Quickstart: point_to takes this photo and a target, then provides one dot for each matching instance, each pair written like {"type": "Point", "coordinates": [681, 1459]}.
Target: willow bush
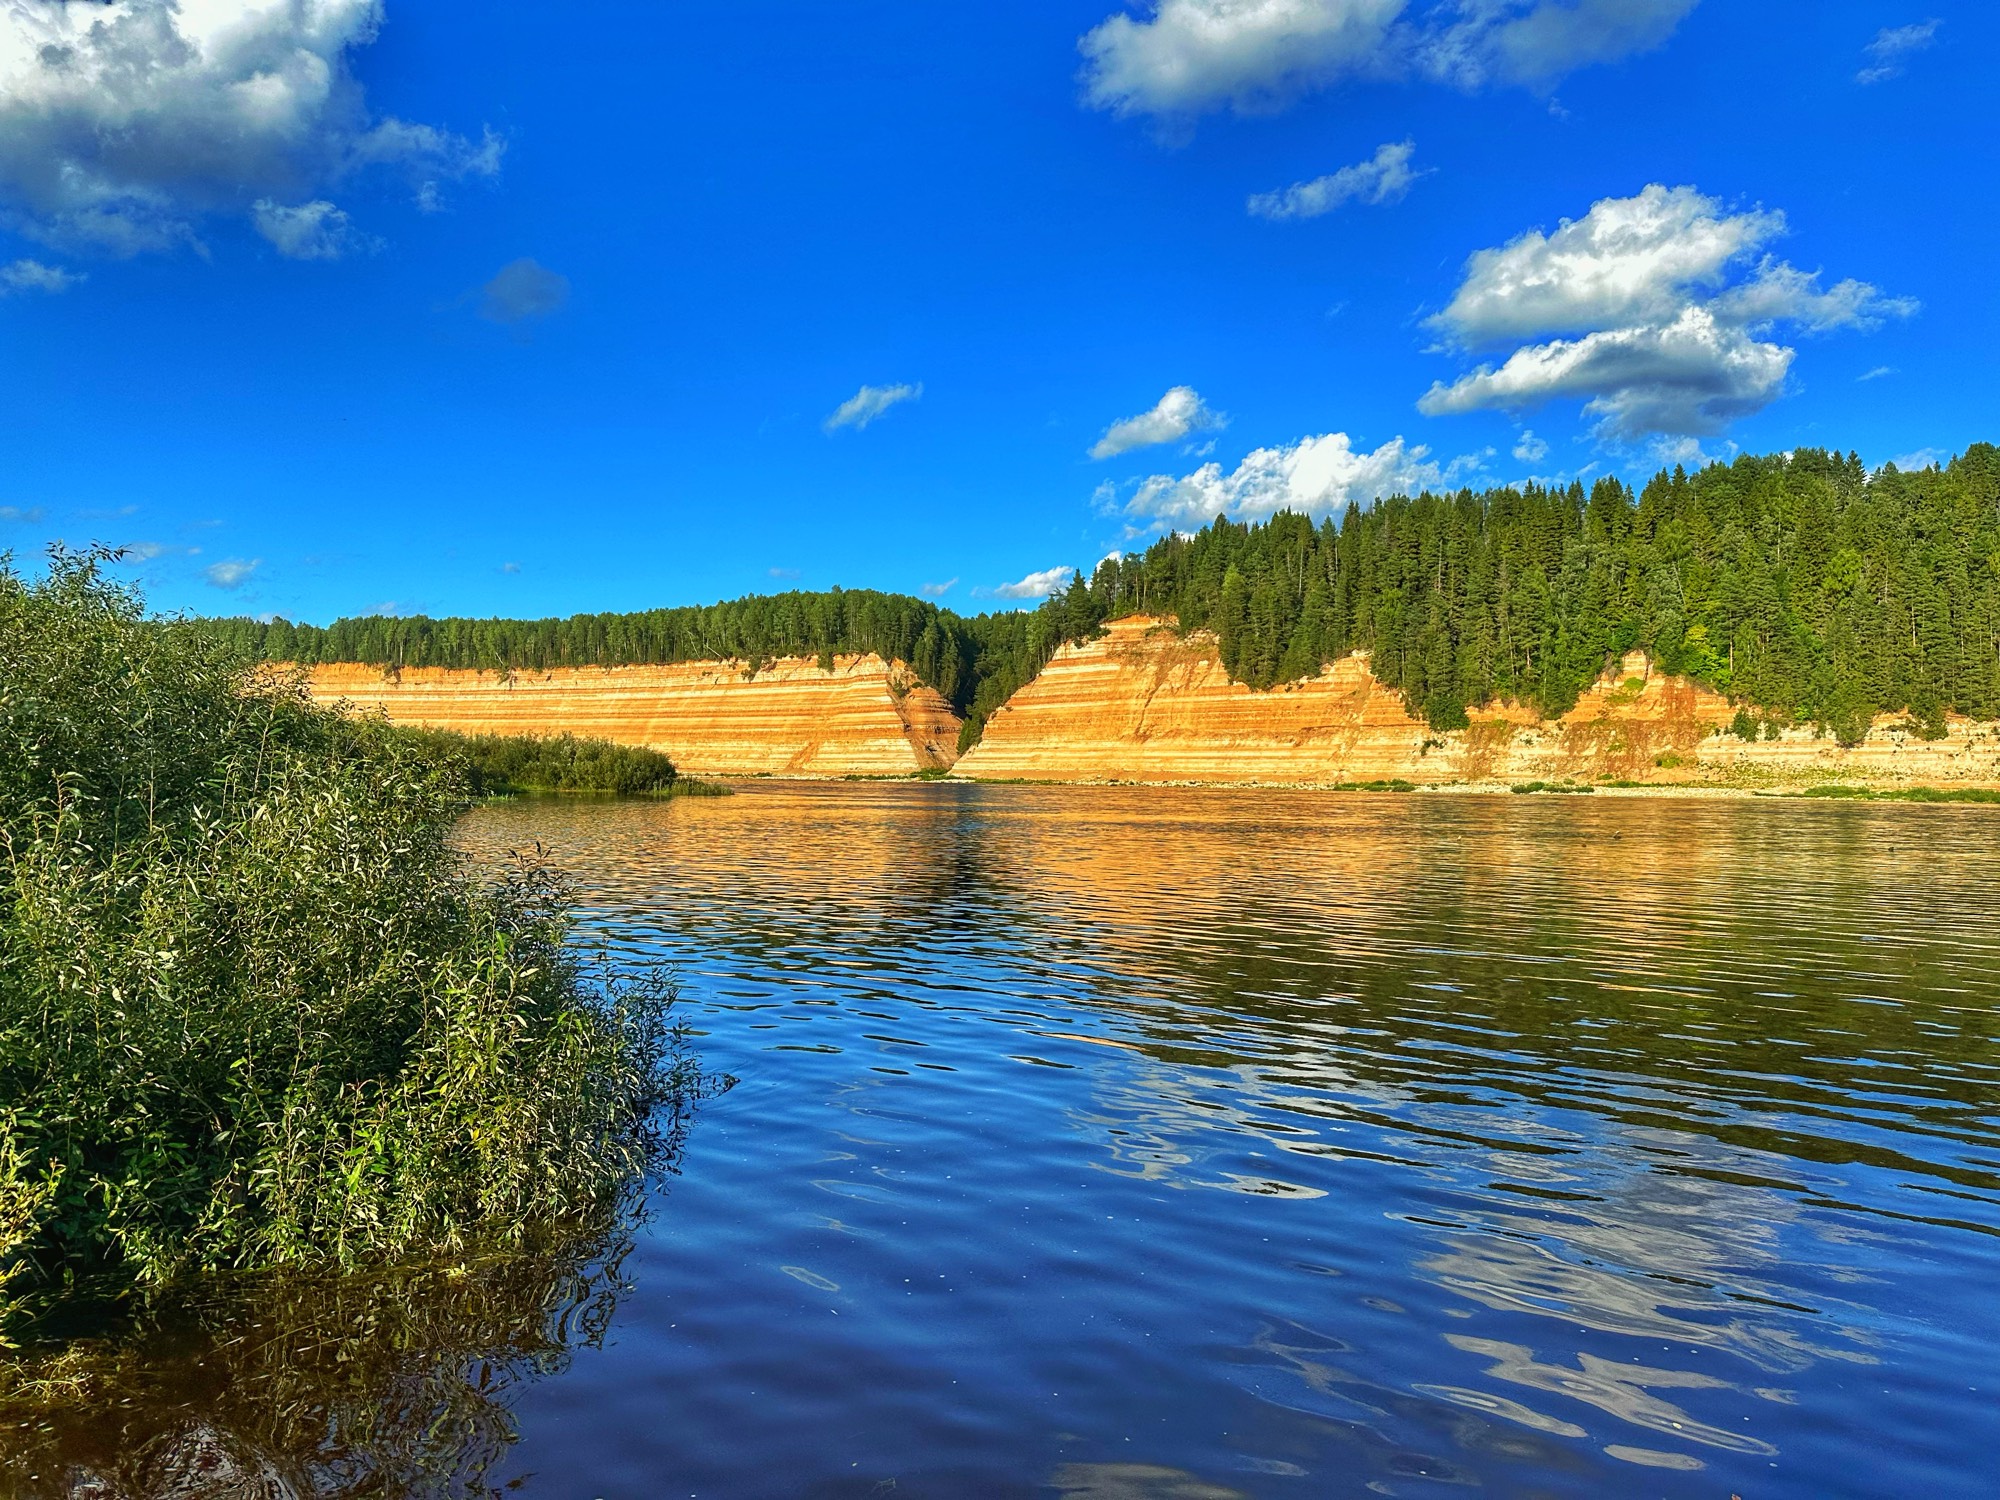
{"type": "Point", "coordinates": [254, 1009]}
{"type": "Point", "coordinates": [499, 764]}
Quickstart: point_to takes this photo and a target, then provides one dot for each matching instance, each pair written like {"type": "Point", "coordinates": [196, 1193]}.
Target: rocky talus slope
{"type": "Point", "coordinates": [867, 717]}
{"type": "Point", "coordinates": [1143, 703]}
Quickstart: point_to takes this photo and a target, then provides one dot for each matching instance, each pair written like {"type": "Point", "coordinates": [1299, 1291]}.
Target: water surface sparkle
{"type": "Point", "coordinates": [1167, 1143]}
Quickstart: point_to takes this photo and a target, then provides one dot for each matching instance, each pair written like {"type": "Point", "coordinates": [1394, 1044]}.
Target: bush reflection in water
{"type": "Point", "coordinates": [393, 1383]}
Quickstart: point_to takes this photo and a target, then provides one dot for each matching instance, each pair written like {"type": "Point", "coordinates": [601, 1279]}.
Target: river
{"type": "Point", "coordinates": [1168, 1144]}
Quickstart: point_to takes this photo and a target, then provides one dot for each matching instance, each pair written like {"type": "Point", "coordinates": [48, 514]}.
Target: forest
{"type": "Point", "coordinates": [1801, 584]}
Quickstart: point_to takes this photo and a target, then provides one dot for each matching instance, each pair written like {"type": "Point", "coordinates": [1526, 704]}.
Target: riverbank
{"type": "Point", "coordinates": [1143, 704]}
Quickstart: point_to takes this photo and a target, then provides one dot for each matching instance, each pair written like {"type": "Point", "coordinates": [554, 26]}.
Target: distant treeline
{"type": "Point", "coordinates": [1799, 583]}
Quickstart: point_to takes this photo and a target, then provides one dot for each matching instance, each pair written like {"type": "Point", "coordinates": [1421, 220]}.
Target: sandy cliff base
{"type": "Point", "coordinates": [866, 717]}
{"type": "Point", "coordinates": [1142, 703]}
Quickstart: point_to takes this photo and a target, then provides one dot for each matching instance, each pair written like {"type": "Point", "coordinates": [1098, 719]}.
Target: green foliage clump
{"type": "Point", "coordinates": [1529, 788]}
{"type": "Point", "coordinates": [498, 764]}
{"type": "Point", "coordinates": [253, 1007]}
{"type": "Point", "coordinates": [1904, 794]}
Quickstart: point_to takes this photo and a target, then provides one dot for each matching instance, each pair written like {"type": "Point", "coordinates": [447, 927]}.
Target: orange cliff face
{"type": "Point", "coordinates": [867, 717]}
{"type": "Point", "coordinates": [1143, 703]}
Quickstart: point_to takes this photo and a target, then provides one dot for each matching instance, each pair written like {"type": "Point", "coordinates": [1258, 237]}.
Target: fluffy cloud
{"type": "Point", "coordinates": [33, 276]}
{"type": "Point", "coordinates": [868, 403]}
{"type": "Point", "coordinates": [1530, 449]}
{"type": "Point", "coordinates": [523, 290]}
{"type": "Point", "coordinates": [1185, 57]}
{"type": "Point", "coordinates": [1314, 476]}
{"type": "Point", "coordinates": [1035, 585]}
{"type": "Point", "coordinates": [1383, 178]}
{"type": "Point", "coordinates": [304, 231]}
{"type": "Point", "coordinates": [1892, 49]}
{"type": "Point", "coordinates": [231, 574]}
{"type": "Point", "coordinates": [1180, 412]}
{"type": "Point", "coordinates": [1195, 55]}
{"type": "Point", "coordinates": [123, 123]}
{"type": "Point", "coordinates": [1663, 306]}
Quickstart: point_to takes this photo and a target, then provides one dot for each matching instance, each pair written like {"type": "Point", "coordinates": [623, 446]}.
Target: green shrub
{"type": "Point", "coordinates": [497, 764]}
{"type": "Point", "coordinates": [253, 1007]}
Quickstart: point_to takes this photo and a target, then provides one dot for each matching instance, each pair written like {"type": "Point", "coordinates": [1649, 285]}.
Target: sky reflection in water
{"type": "Point", "coordinates": [1171, 1142]}
{"type": "Point", "coordinates": [1179, 1145]}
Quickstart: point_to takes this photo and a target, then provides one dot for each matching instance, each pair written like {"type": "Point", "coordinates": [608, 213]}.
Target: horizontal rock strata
{"type": "Point", "coordinates": [866, 717]}
{"type": "Point", "coordinates": [1143, 703]}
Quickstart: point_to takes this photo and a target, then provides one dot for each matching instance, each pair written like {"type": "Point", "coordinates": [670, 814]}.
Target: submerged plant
{"type": "Point", "coordinates": [254, 1008]}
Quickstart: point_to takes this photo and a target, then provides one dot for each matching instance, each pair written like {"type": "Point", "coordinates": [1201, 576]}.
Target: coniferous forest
{"type": "Point", "coordinates": [1800, 584]}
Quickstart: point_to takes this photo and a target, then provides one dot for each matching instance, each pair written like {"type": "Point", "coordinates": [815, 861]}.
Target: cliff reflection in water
{"type": "Point", "coordinates": [1510, 1141]}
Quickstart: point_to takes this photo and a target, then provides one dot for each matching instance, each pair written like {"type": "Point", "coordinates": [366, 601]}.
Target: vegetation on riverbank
{"type": "Point", "coordinates": [498, 765]}
{"type": "Point", "coordinates": [1903, 794]}
{"type": "Point", "coordinates": [254, 1009]}
{"type": "Point", "coordinates": [1800, 584]}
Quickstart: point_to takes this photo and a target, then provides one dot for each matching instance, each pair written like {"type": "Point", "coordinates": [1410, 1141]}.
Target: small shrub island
{"type": "Point", "coordinates": [255, 1010]}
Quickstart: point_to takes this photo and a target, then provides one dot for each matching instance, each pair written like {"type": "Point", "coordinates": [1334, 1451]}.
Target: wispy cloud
{"type": "Point", "coordinates": [231, 573]}
{"type": "Point", "coordinates": [939, 590]}
{"type": "Point", "coordinates": [1035, 585]}
{"type": "Point", "coordinates": [870, 402]}
{"type": "Point", "coordinates": [1383, 178]}
{"type": "Point", "coordinates": [523, 290]}
{"type": "Point", "coordinates": [1175, 415]}
{"type": "Point", "coordinates": [1889, 54]}
{"type": "Point", "coordinates": [33, 276]}
{"type": "Point", "coordinates": [1531, 449]}
{"type": "Point", "coordinates": [308, 231]}
{"type": "Point", "coordinates": [20, 515]}
{"type": "Point", "coordinates": [1880, 372]}
{"type": "Point", "coordinates": [782, 572]}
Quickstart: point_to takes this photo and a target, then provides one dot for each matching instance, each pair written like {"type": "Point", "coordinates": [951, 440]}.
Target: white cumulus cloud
{"type": "Point", "coordinates": [1892, 49]}
{"type": "Point", "coordinates": [1180, 58]}
{"type": "Point", "coordinates": [868, 403]}
{"type": "Point", "coordinates": [1383, 178]}
{"type": "Point", "coordinates": [1035, 585]}
{"type": "Point", "coordinates": [1178, 413]}
{"type": "Point", "coordinates": [124, 123]}
{"type": "Point", "coordinates": [1314, 476]}
{"type": "Point", "coordinates": [33, 276]}
{"type": "Point", "coordinates": [1530, 449]}
{"type": "Point", "coordinates": [1662, 308]}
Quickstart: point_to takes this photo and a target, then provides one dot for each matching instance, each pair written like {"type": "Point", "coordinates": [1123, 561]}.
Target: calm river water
{"type": "Point", "coordinates": [1123, 1144]}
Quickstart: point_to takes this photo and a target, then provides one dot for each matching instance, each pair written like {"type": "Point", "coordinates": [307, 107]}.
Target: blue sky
{"type": "Point", "coordinates": [333, 306]}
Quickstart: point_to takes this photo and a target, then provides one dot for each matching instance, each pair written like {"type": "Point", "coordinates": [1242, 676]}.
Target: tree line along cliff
{"type": "Point", "coordinates": [1799, 583]}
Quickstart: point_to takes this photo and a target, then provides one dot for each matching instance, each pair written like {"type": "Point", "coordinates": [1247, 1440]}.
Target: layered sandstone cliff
{"type": "Point", "coordinates": [1143, 703]}
{"type": "Point", "coordinates": [866, 717]}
